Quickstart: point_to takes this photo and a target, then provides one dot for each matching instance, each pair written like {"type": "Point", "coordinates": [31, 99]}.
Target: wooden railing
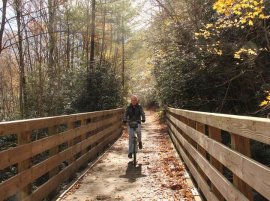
{"type": "Point", "coordinates": [69, 143]}
{"type": "Point", "coordinates": [199, 137]}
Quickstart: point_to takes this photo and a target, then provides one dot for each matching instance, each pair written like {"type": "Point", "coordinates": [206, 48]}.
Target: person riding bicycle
{"type": "Point", "coordinates": [134, 113]}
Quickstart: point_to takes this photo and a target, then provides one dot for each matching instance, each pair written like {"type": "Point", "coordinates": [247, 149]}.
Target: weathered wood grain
{"type": "Point", "coordinates": [250, 171]}
{"type": "Point", "coordinates": [108, 123]}
{"type": "Point", "coordinates": [215, 134]}
{"type": "Point", "coordinates": [250, 127]}
{"type": "Point", "coordinates": [23, 152]}
{"type": "Point", "coordinates": [227, 189]}
{"type": "Point", "coordinates": [14, 127]}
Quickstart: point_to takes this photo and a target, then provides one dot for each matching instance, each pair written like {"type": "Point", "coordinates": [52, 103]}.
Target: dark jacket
{"type": "Point", "coordinates": [134, 113]}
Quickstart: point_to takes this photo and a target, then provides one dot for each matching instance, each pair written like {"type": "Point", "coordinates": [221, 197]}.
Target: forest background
{"type": "Point", "coordinates": [65, 56]}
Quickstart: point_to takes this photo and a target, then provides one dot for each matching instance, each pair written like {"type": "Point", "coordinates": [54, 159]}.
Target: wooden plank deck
{"type": "Point", "coordinates": [159, 175]}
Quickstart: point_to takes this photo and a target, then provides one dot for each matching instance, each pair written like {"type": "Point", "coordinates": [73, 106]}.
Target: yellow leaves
{"type": "Point", "coordinates": [209, 26]}
{"type": "Point", "coordinates": [245, 10]}
{"type": "Point", "coordinates": [263, 103]}
{"type": "Point", "coordinates": [243, 21]}
{"type": "Point", "coordinates": [249, 51]}
{"type": "Point", "coordinates": [266, 101]}
{"type": "Point", "coordinates": [218, 52]}
{"type": "Point", "coordinates": [255, 3]}
{"type": "Point", "coordinates": [237, 56]}
{"type": "Point", "coordinates": [233, 14]}
{"type": "Point", "coordinates": [213, 49]}
{"type": "Point", "coordinates": [250, 23]}
{"type": "Point", "coordinates": [262, 16]}
{"type": "Point", "coordinates": [203, 33]}
{"type": "Point", "coordinates": [221, 6]}
{"type": "Point", "coordinates": [255, 14]}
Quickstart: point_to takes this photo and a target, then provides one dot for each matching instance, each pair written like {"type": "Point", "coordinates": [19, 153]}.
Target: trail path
{"type": "Point", "coordinates": [159, 175]}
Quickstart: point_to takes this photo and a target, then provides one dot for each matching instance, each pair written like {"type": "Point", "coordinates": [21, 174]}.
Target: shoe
{"type": "Point", "coordinates": [140, 145]}
{"type": "Point", "coordinates": [130, 155]}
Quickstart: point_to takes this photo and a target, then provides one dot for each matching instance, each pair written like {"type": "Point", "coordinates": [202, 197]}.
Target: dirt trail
{"type": "Point", "coordinates": [159, 175]}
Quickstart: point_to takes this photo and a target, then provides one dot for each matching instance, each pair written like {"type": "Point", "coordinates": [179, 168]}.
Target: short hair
{"type": "Point", "coordinates": [134, 96]}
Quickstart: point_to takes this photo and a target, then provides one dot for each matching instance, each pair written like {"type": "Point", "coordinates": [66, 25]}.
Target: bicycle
{"type": "Point", "coordinates": [134, 125]}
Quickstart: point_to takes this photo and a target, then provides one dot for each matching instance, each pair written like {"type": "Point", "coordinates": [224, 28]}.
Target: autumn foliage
{"type": "Point", "coordinates": [213, 56]}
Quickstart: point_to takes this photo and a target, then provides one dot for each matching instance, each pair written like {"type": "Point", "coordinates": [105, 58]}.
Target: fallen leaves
{"type": "Point", "coordinates": [171, 170]}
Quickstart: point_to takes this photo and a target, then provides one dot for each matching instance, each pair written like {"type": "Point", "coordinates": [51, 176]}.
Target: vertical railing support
{"type": "Point", "coordinates": [215, 134]}
{"type": "Point", "coordinates": [52, 131]}
{"type": "Point", "coordinates": [201, 128]}
{"type": "Point", "coordinates": [242, 145]}
{"type": "Point", "coordinates": [83, 137]}
{"type": "Point", "coordinates": [71, 126]}
{"type": "Point", "coordinates": [53, 151]}
{"type": "Point", "coordinates": [24, 138]}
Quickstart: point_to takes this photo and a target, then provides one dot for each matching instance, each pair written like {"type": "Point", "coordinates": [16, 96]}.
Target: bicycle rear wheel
{"type": "Point", "coordinates": [134, 151]}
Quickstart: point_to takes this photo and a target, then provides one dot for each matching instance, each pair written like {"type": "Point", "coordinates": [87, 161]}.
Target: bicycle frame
{"type": "Point", "coordinates": [135, 141]}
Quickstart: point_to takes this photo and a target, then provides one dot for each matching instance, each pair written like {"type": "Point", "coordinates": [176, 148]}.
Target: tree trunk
{"type": "Point", "coordinates": [103, 34]}
{"type": "Point", "coordinates": [123, 53]}
{"type": "Point", "coordinates": [115, 58]}
{"type": "Point", "coordinates": [68, 48]}
{"type": "Point", "coordinates": [52, 74]}
{"type": "Point", "coordinates": [93, 30]}
{"type": "Point", "coordinates": [72, 51]}
{"type": "Point", "coordinates": [28, 47]}
{"type": "Point", "coordinates": [111, 44]}
{"type": "Point", "coordinates": [87, 37]}
{"type": "Point", "coordinates": [23, 97]}
{"type": "Point", "coordinates": [52, 41]}
{"type": "Point", "coordinates": [3, 22]}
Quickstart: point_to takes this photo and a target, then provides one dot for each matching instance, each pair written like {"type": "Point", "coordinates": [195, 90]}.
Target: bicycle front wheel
{"type": "Point", "coordinates": [134, 151]}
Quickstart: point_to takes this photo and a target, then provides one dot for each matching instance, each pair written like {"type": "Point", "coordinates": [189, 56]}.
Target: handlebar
{"type": "Point", "coordinates": [128, 121]}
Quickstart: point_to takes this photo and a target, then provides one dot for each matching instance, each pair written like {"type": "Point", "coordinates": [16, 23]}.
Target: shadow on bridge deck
{"type": "Point", "coordinates": [133, 173]}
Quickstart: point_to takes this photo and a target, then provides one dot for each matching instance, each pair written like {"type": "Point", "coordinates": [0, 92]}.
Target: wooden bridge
{"type": "Point", "coordinates": [49, 151]}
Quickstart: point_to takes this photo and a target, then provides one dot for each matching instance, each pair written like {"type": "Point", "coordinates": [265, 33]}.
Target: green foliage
{"type": "Point", "coordinates": [102, 90]}
{"type": "Point", "coordinates": [190, 76]}
{"type": "Point", "coordinates": [53, 97]}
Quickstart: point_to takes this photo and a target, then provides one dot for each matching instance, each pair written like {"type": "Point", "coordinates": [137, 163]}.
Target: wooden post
{"type": "Point", "coordinates": [53, 151]}
{"type": "Point", "coordinates": [201, 128]}
{"type": "Point", "coordinates": [83, 136]}
{"type": "Point", "coordinates": [102, 148]}
{"type": "Point", "coordinates": [24, 138]}
{"type": "Point", "coordinates": [242, 145]}
{"type": "Point", "coordinates": [71, 126]}
{"type": "Point", "coordinates": [191, 124]}
{"type": "Point", "coordinates": [185, 135]}
{"type": "Point", "coordinates": [215, 134]}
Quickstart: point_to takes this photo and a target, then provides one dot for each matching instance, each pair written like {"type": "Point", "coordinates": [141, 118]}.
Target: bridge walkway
{"type": "Point", "coordinates": [159, 175]}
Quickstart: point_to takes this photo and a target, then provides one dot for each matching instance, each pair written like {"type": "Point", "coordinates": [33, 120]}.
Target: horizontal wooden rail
{"type": "Point", "coordinates": [197, 136]}
{"type": "Point", "coordinates": [83, 137]}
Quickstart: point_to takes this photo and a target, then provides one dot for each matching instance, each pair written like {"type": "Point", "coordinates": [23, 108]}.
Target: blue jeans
{"type": "Point", "coordinates": [131, 135]}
